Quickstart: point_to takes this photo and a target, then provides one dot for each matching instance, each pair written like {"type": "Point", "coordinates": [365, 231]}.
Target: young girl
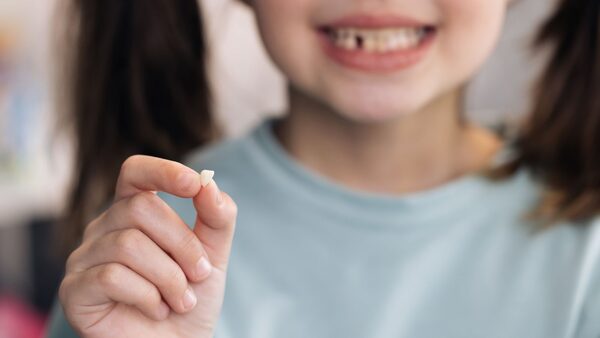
{"type": "Point", "coordinates": [367, 211]}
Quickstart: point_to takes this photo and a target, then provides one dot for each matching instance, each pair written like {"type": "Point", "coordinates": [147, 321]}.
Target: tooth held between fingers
{"type": "Point", "coordinates": [206, 176]}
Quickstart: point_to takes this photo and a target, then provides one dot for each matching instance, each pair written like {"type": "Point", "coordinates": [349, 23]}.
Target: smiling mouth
{"type": "Point", "coordinates": [378, 40]}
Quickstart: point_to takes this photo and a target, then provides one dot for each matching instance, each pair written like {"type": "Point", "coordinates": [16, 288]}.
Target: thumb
{"type": "Point", "coordinates": [215, 221]}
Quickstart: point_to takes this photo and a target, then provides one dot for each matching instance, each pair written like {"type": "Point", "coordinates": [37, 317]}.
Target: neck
{"type": "Point", "coordinates": [411, 153]}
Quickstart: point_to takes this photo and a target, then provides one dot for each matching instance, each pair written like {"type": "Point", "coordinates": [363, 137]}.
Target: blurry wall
{"type": "Point", "coordinates": [500, 92]}
{"type": "Point", "coordinates": [32, 166]}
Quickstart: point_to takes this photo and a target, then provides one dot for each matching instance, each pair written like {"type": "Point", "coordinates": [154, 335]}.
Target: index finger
{"type": "Point", "coordinates": [141, 173]}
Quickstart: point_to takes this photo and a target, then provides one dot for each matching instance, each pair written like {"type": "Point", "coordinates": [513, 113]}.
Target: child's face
{"type": "Point", "coordinates": [376, 60]}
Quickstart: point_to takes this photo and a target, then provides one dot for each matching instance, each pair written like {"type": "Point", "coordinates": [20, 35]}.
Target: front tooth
{"type": "Point", "coordinates": [381, 42]}
{"type": "Point", "coordinates": [339, 37]}
{"type": "Point", "coordinates": [369, 41]}
{"type": "Point", "coordinates": [406, 39]}
{"type": "Point", "coordinates": [350, 40]}
{"type": "Point", "coordinates": [388, 40]}
{"type": "Point", "coordinates": [412, 37]}
{"type": "Point", "coordinates": [399, 39]}
{"type": "Point", "coordinates": [393, 42]}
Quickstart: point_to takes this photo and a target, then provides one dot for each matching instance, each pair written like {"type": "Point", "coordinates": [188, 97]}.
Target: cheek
{"type": "Point", "coordinates": [286, 32]}
{"type": "Point", "coordinates": [470, 31]}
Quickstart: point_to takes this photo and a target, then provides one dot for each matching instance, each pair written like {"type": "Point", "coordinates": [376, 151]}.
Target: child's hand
{"type": "Point", "coordinates": [140, 271]}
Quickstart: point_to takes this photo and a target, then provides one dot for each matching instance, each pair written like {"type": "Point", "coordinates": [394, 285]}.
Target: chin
{"type": "Point", "coordinates": [373, 110]}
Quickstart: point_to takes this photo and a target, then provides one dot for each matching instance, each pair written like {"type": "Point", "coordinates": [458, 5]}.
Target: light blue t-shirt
{"type": "Point", "coordinates": [314, 259]}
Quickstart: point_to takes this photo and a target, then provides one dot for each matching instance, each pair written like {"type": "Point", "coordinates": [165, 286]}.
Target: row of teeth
{"type": "Point", "coordinates": [377, 40]}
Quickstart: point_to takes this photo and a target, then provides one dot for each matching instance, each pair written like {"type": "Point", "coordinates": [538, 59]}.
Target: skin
{"type": "Point", "coordinates": [130, 275]}
{"type": "Point", "coordinates": [402, 128]}
{"type": "Point", "coordinates": [393, 133]}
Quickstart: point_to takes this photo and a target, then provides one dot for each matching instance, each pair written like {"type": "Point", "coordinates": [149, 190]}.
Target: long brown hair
{"type": "Point", "coordinates": [138, 85]}
{"type": "Point", "coordinates": [560, 143]}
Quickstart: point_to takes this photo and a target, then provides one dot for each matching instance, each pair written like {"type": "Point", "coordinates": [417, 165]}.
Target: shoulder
{"type": "Point", "coordinates": [58, 327]}
{"type": "Point", "coordinates": [587, 295]}
{"type": "Point", "coordinates": [590, 266]}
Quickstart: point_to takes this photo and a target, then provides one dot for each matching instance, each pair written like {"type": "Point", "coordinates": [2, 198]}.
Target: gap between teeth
{"type": "Point", "coordinates": [377, 41]}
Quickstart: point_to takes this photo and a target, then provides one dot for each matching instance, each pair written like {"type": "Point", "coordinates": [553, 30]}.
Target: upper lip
{"type": "Point", "coordinates": [375, 21]}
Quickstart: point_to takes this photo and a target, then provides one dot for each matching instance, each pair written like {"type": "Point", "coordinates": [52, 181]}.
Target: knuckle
{"type": "Point", "coordinates": [88, 230]}
{"type": "Point", "coordinates": [182, 178]}
{"type": "Point", "coordinates": [141, 204]}
{"type": "Point", "coordinates": [109, 276]}
{"type": "Point", "coordinates": [175, 280]}
{"type": "Point", "coordinates": [151, 296]}
{"type": "Point", "coordinates": [95, 224]}
{"type": "Point", "coordinates": [130, 164]}
{"type": "Point", "coordinates": [63, 290]}
{"type": "Point", "coordinates": [186, 182]}
{"type": "Point", "coordinates": [128, 242]}
{"type": "Point", "coordinates": [72, 260]}
{"type": "Point", "coordinates": [190, 244]}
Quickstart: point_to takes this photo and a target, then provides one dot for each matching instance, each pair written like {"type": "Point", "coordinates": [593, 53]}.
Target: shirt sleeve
{"type": "Point", "coordinates": [589, 323]}
{"type": "Point", "coordinates": [589, 319]}
{"type": "Point", "coordinates": [58, 327]}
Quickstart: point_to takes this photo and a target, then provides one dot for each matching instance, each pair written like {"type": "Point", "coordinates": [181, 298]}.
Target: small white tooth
{"type": "Point", "coordinates": [407, 42]}
{"type": "Point", "coordinates": [389, 40]}
{"type": "Point", "coordinates": [393, 43]}
{"type": "Point", "coordinates": [370, 43]}
{"type": "Point", "coordinates": [350, 39]}
{"type": "Point", "coordinates": [381, 44]}
{"type": "Point", "coordinates": [401, 41]}
{"type": "Point", "coordinates": [406, 33]}
{"type": "Point", "coordinates": [206, 176]}
{"type": "Point", "coordinates": [333, 35]}
{"type": "Point", "coordinates": [413, 38]}
{"type": "Point", "coordinates": [336, 41]}
{"type": "Point", "coordinates": [362, 34]}
{"type": "Point", "coordinates": [339, 37]}
{"type": "Point", "coordinates": [345, 33]}
{"type": "Point", "coordinates": [350, 42]}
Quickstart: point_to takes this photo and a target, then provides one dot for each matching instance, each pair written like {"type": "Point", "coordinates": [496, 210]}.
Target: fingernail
{"type": "Point", "coordinates": [203, 268]}
{"type": "Point", "coordinates": [163, 310]}
{"type": "Point", "coordinates": [189, 299]}
{"type": "Point", "coordinates": [218, 194]}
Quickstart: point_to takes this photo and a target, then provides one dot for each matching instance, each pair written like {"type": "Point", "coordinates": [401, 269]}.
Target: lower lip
{"type": "Point", "coordinates": [377, 62]}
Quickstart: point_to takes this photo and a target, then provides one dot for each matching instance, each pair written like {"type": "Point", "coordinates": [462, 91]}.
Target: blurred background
{"type": "Point", "coordinates": [35, 157]}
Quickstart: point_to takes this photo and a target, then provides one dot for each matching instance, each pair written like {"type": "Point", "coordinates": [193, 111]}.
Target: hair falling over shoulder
{"type": "Point", "coordinates": [137, 84]}
{"type": "Point", "coordinates": [560, 143]}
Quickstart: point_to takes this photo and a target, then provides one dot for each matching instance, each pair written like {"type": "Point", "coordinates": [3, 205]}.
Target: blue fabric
{"type": "Point", "coordinates": [314, 259]}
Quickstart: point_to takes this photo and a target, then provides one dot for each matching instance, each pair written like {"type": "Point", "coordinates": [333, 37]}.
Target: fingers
{"type": "Point", "coordinates": [215, 224]}
{"type": "Point", "coordinates": [108, 283]}
{"type": "Point", "coordinates": [134, 250]}
{"type": "Point", "coordinates": [144, 173]}
{"type": "Point", "coordinates": [149, 214]}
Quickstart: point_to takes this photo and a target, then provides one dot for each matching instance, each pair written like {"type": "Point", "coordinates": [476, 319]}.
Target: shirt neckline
{"type": "Point", "coordinates": [445, 203]}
